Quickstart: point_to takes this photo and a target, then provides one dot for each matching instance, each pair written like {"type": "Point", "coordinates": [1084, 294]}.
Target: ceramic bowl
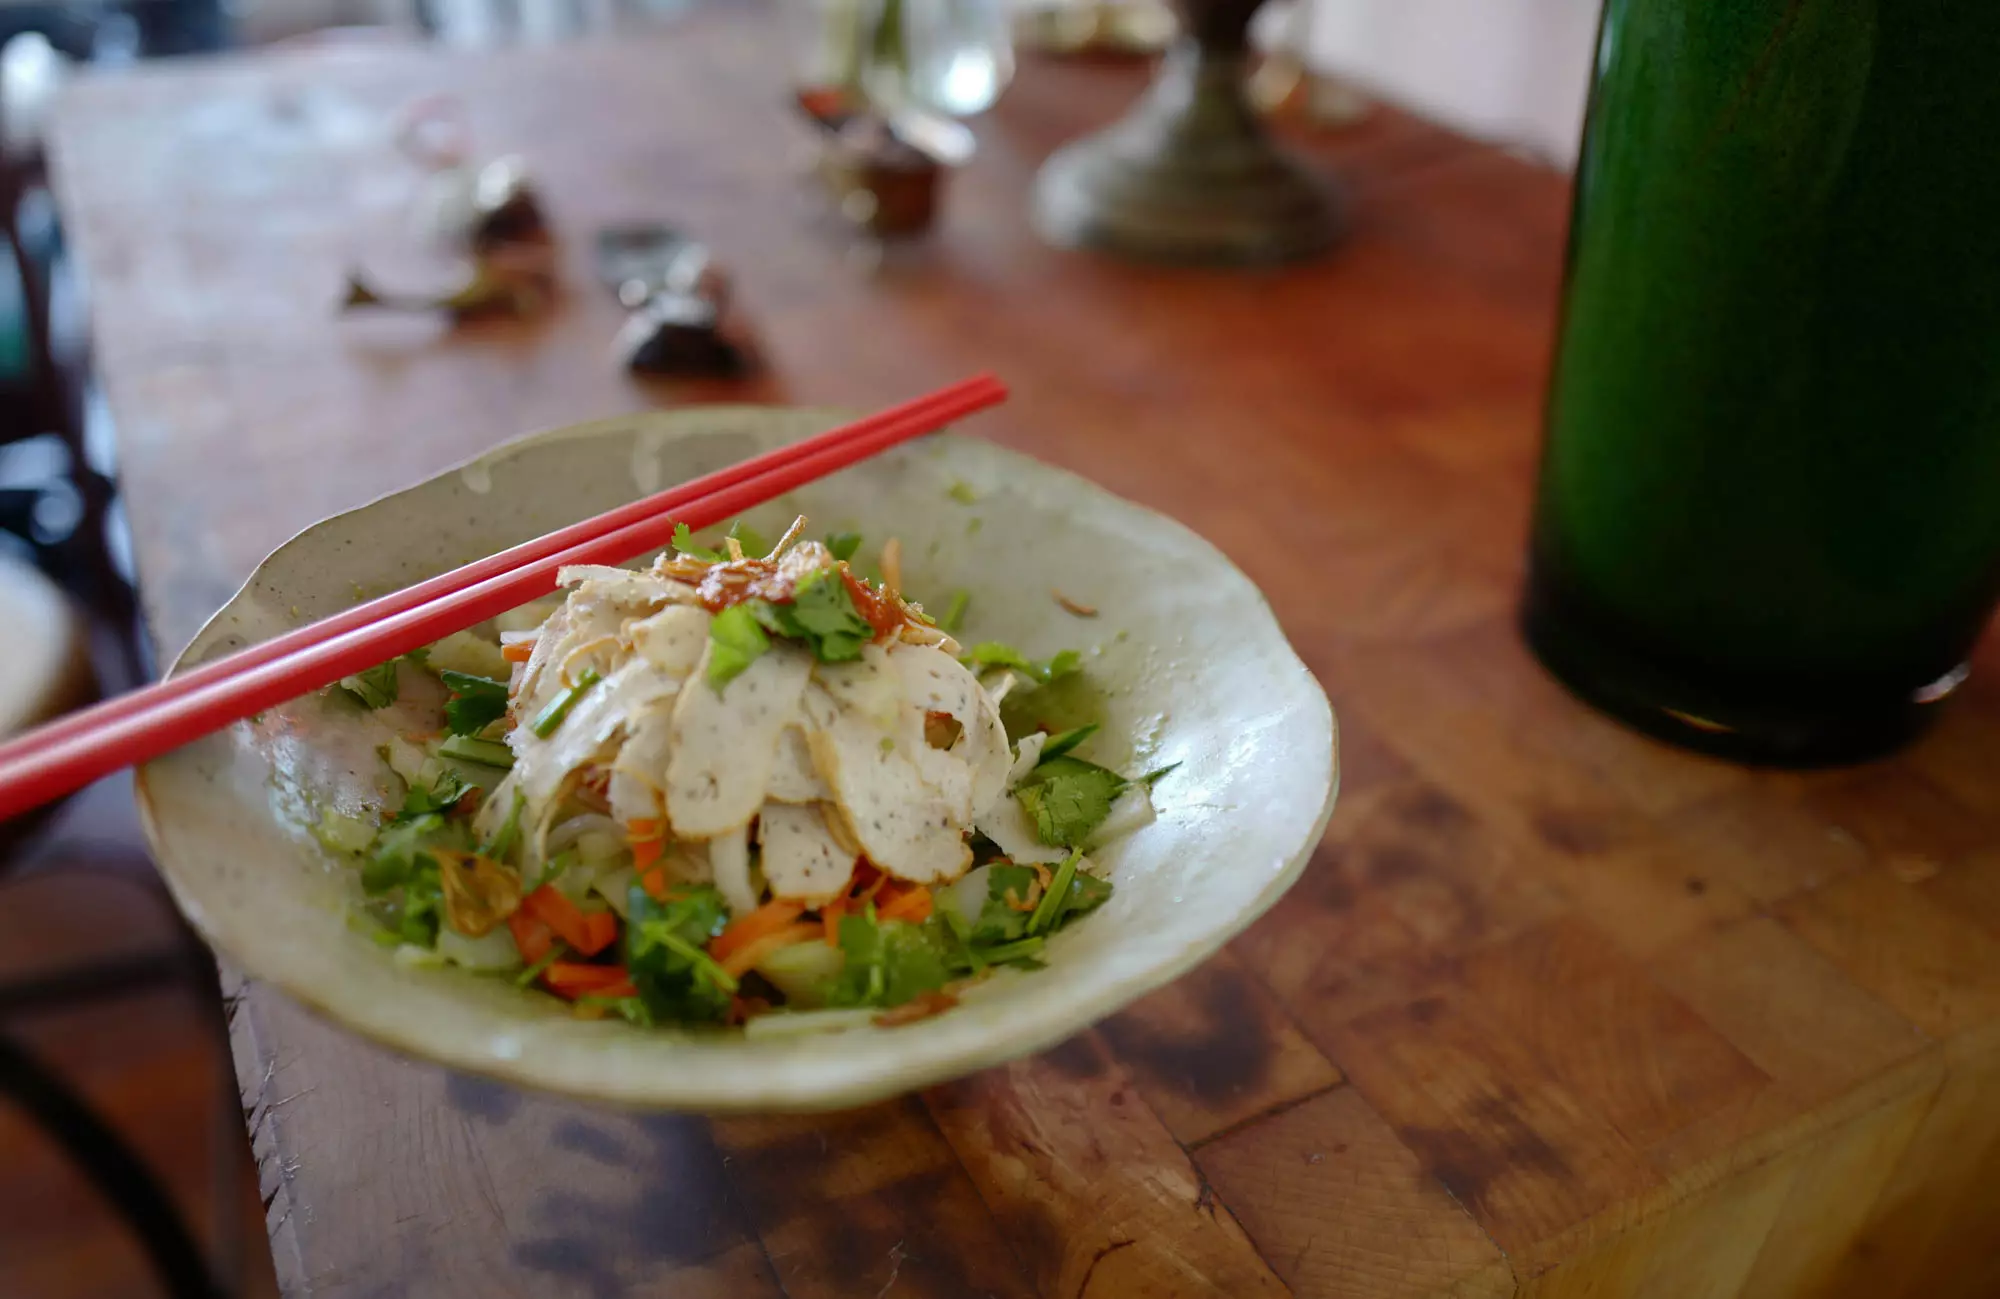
{"type": "Point", "coordinates": [1191, 666]}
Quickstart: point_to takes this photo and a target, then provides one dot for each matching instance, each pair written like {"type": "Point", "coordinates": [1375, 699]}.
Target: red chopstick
{"type": "Point", "coordinates": [57, 759]}
{"type": "Point", "coordinates": [946, 404]}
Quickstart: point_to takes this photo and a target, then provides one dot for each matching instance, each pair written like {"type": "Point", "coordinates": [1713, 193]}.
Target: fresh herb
{"type": "Point", "coordinates": [526, 978]}
{"type": "Point", "coordinates": [487, 753]}
{"type": "Point", "coordinates": [735, 641]}
{"type": "Point", "coordinates": [632, 1008]}
{"type": "Point", "coordinates": [961, 491]}
{"type": "Point", "coordinates": [1067, 798]}
{"type": "Point", "coordinates": [749, 538]}
{"type": "Point", "coordinates": [375, 688]}
{"type": "Point", "coordinates": [821, 613]}
{"type": "Point", "coordinates": [404, 848]}
{"type": "Point", "coordinates": [442, 794]}
{"type": "Point", "coordinates": [1048, 912]}
{"type": "Point", "coordinates": [421, 908]}
{"type": "Point", "coordinates": [968, 956]}
{"type": "Point", "coordinates": [1156, 773]}
{"type": "Point", "coordinates": [1004, 917]}
{"type": "Point", "coordinates": [1022, 952]}
{"type": "Point", "coordinates": [475, 704]}
{"type": "Point", "coordinates": [1086, 893]}
{"type": "Point", "coordinates": [1007, 935]}
{"type": "Point", "coordinates": [954, 613]}
{"type": "Point", "coordinates": [1062, 742]}
{"type": "Point", "coordinates": [685, 544]}
{"type": "Point", "coordinates": [843, 544]}
{"type": "Point", "coordinates": [558, 708]}
{"type": "Point", "coordinates": [888, 962]}
{"type": "Point", "coordinates": [995, 654]}
{"type": "Point", "coordinates": [501, 845]}
{"type": "Point", "coordinates": [664, 938]}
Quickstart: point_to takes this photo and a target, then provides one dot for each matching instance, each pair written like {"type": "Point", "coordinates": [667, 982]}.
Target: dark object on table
{"type": "Point", "coordinates": [679, 334]}
{"type": "Point", "coordinates": [505, 208]}
{"type": "Point", "coordinates": [1189, 175]}
{"type": "Point", "coordinates": [638, 261]}
{"type": "Point", "coordinates": [678, 298]}
{"type": "Point", "coordinates": [1767, 524]}
{"type": "Point", "coordinates": [880, 181]}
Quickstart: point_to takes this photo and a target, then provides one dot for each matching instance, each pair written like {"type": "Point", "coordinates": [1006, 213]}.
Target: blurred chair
{"type": "Point", "coordinates": [65, 599]}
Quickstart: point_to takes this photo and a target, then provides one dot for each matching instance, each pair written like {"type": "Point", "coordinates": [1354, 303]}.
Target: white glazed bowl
{"type": "Point", "coordinates": [1194, 668]}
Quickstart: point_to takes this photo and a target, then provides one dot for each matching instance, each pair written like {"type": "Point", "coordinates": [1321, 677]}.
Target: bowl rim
{"type": "Point", "coordinates": [854, 1086]}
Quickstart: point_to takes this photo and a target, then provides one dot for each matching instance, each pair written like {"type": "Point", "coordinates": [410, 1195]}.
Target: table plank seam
{"type": "Point", "coordinates": [1270, 1112]}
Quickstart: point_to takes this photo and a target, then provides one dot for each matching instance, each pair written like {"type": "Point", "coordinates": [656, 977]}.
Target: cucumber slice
{"type": "Point", "coordinates": [801, 971]}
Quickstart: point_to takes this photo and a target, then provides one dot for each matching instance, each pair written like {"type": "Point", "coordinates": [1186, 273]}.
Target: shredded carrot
{"type": "Point", "coordinates": [767, 919]}
{"type": "Point", "coordinates": [531, 936]}
{"type": "Point", "coordinates": [911, 903]}
{"type": "Point", "coordinates": [588, 932]}
{"type": "Point", "coordinates": [648, 839]}
{"type": "Point", "coordinates": [740, 960]}
{"type": "Point", "coordinates": [518, 652]}
{"type": "Point", "coordinates": [654, 882]}
{"type": "Point", "coordinates": [574, 979]}
{"type": "Point", "coordinates": [861, 887]}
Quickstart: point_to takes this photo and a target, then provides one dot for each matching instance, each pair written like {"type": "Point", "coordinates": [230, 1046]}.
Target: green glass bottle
{"type": "Point", "coordinates": [1768, 521]}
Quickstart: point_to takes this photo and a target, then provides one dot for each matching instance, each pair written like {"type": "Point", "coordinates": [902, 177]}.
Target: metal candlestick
{"type": "Point", "coordinates": [1190, 175]}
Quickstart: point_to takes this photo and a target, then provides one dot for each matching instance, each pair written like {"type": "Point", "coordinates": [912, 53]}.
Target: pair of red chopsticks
{"type": "Point", "coordinates": [62, 757]}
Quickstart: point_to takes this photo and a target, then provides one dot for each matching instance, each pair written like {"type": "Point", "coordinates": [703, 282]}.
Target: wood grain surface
{"type": "Point", "coordinates": [1555, 1011]}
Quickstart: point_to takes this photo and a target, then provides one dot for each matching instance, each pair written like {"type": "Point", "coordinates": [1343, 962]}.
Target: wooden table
{"type": "Point", "coordinates": [1555, 1011]}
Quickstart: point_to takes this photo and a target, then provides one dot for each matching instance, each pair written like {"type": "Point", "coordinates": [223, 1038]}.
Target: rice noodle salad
{"type": "Point", "coordinates": [733, 789]}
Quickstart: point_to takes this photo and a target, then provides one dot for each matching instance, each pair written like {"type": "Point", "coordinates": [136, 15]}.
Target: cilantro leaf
{"type": "Point", "coordinates": [1065, 663]}
{"type": "Point", "coordinates": [684, 543]}
{"type": "Point", "coordinates": [403, 850]}
{"type": "Point", "coordinates": [1086, 894]}
{"type": "Point", "coordinates": [1067, 798]}
{"type": "Point", "coordinates": [888, 962]}
{"type": "Point", "coordinates": [1005, 935]}
{"type": "Point", "coordinates": [417, 914]}
{"type": "Point", "coordinates": [997, 654]}
{"type": "Point", "coordinates": [998, 922]}
{"type": "Point", "coordinates": [664, 941]}
{"type": "Point", "coordinates": [375, 688]}
{"type": "Point", "coordinates": [749, 538]}
{"type": "Point", "coordinates": [735, 642]}
{"type": "Point", "coordinates": [823, 606]}
{"type": "Point", "coordinates": [446, 787]}
{"type": "Point", "coordinates": [843, 544]}
{"type": "Point", "coordinates": [821, 613]}
{"type": "Point", "coordinates": [476, 702]}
